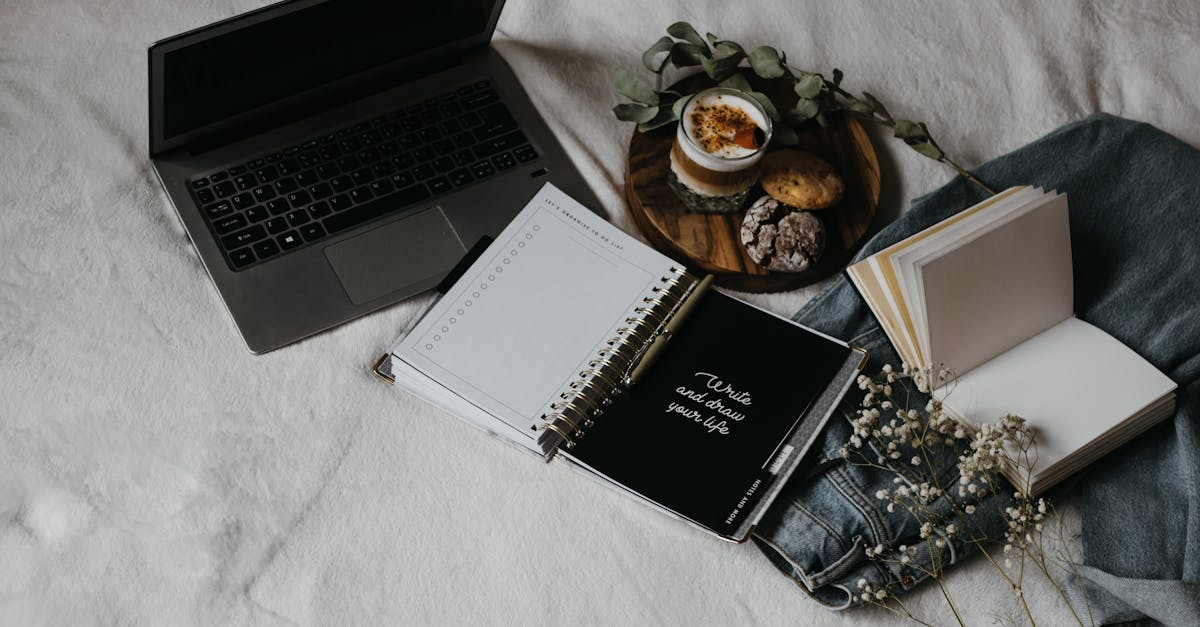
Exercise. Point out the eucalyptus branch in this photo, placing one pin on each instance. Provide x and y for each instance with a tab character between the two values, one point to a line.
722	60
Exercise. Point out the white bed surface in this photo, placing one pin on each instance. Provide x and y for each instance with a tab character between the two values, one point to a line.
154	472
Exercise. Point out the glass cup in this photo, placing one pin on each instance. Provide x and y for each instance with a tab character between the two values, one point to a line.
721	138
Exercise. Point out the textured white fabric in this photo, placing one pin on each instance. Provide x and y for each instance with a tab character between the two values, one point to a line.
154	472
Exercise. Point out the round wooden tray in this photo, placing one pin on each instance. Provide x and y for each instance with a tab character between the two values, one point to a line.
712	243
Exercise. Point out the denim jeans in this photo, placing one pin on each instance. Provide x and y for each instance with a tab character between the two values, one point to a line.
1134	196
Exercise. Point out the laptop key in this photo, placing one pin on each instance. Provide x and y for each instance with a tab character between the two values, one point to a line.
327	170
525	153
383	168
205	196
219	176
266	248
264	193
492	128
289	240
464	140
362	177
241	258
443	164
319	210
424	153
236	170
230	223
276	226
288	166
463	157
219	209
402	179
299	198
460	177
266	174
470	119
297	217
360	195
245	181
403	161
423	171
381	187
439	185
308	159
500	144
341	183
444	147
200	182
341	202
379	207
482	169
504	161
278	206
243	200
320	190
245	236
312	231
347	163
307	178
225	189
284	186
255	164
257	213
368	156
479	99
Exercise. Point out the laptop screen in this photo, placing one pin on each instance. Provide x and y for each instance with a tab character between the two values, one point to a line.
292	53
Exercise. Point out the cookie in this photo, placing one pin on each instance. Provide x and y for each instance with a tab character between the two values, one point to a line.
801	179
782	238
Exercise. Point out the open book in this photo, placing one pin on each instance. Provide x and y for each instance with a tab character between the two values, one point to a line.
989	295
547	339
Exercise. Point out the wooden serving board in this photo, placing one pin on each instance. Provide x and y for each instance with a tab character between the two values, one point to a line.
712	243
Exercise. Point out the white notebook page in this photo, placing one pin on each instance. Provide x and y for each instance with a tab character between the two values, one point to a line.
528	316
1072	382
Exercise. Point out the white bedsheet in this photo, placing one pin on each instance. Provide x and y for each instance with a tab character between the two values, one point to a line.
154	472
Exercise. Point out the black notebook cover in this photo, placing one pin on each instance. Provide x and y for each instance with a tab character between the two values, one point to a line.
703	433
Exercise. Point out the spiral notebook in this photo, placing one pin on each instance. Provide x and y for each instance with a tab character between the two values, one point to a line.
573	340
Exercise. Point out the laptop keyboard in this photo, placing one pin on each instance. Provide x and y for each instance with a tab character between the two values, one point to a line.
277	203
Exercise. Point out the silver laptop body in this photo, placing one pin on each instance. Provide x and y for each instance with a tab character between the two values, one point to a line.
304	83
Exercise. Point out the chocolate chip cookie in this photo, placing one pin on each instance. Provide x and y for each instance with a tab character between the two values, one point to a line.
801	179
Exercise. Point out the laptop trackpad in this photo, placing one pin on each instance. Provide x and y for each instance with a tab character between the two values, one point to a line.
396	255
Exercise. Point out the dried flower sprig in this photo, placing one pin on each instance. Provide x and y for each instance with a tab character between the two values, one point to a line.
722	60
943	471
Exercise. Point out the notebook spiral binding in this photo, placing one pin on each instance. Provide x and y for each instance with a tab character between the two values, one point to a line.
607	374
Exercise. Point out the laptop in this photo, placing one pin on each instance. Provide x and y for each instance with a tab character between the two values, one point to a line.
331	157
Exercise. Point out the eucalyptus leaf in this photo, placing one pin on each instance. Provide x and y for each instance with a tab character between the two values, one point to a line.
684	31
907	129
737	81
822	119
677	107
805	109
684	54
633	112
662	45
712	39
722	68
929	150
766	103
766	62
728	48
785	136
665	116
808	85
864	108
634	88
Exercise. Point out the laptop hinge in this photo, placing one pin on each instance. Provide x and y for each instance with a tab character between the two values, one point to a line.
320	103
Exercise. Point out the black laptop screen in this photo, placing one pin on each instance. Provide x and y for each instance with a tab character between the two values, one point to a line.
294	53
